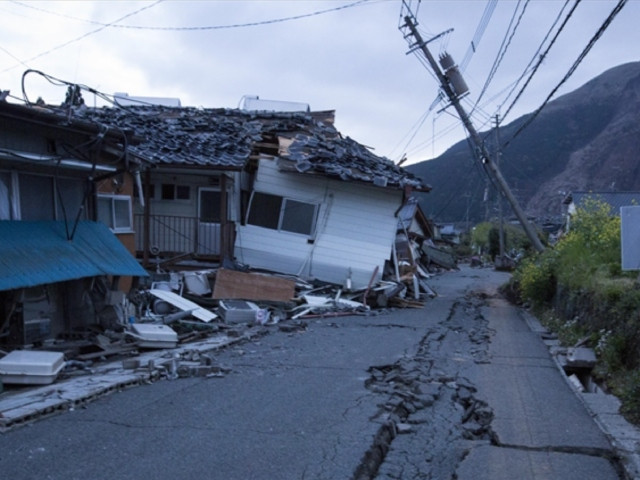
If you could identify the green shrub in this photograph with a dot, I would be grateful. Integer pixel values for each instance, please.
(591, 249)
(536, 279)
(581, 286)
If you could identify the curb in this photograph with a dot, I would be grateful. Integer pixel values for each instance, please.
(604, 408)
(32, 404)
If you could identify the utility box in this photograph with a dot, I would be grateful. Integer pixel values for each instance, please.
(29, 367)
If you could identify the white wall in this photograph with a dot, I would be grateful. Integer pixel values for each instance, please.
(356, 228)
(178, 235)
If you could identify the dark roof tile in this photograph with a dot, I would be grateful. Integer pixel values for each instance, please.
(225, 138)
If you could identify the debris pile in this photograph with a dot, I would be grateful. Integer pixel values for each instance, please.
(173, 309)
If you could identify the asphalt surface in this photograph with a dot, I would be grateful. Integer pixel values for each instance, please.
(462, 388)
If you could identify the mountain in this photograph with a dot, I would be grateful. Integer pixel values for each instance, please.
(587, 140)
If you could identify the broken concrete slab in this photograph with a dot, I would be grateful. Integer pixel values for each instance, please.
(68, 392)
(580, 357)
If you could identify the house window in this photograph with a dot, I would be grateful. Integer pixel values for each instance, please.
(5, 197)
(69, 199)
(171, 191)
(115, 212)
(209, 206)
(39, 197)
(36, 197)
(279, 213)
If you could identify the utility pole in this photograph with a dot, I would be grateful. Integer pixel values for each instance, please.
(498, 153)
(453, 80)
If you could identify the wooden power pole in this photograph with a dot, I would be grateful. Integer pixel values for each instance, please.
(454, 86)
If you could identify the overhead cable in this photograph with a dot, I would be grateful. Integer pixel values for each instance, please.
(480, 29)
(206, 27)
(135, 12)
(540, 57)
(573, 68)
(504, 46)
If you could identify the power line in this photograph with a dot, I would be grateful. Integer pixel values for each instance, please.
(506, 42)
(480, 29)
(542, 56)
(58, 47)
(573, 68)
(205, 27)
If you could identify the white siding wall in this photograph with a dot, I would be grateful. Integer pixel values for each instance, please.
(189, 208)
(355, 229)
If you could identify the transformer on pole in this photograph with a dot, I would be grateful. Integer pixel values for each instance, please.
(455, 87)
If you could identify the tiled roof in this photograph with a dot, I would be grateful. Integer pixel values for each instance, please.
(614, 199)
(182, 136)
(226, 139)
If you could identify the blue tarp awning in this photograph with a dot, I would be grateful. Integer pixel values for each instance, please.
(38, 252)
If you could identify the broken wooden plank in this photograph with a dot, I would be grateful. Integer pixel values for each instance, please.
(231, 284)
(182, 303)
(405, 303)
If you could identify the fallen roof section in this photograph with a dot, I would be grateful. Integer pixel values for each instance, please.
(41, 252)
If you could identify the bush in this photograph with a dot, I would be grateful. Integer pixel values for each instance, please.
(587, 296)
(591, 249)
(630, 396)
(536, 279)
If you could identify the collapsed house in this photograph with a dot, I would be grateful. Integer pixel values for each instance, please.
(279, 191)
(63, 192)
(83, 191)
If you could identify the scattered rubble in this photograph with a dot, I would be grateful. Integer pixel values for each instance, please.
(174, 308)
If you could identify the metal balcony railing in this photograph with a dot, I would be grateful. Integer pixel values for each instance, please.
(178, 235)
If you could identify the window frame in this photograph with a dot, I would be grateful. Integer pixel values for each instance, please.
(175, 188)
(281, 214)
(113, 199)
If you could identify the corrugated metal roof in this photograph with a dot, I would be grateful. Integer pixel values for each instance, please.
(38, 253)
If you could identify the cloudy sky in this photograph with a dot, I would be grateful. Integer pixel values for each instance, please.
(342, 55)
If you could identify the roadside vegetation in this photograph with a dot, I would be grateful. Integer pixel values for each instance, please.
(578, 290)
(485, 238)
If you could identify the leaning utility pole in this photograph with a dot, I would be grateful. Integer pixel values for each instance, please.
(500, 219)
(454, 86)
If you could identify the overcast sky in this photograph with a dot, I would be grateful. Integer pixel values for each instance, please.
(347, 56)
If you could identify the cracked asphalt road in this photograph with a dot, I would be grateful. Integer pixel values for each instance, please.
(460, 389)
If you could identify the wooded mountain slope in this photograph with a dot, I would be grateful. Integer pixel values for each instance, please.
(588, 140)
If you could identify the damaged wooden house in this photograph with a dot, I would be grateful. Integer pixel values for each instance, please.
(279, 191)
(65, 224)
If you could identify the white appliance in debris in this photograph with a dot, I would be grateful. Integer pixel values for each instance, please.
(31, 367)
(154, 336)
(238, 311)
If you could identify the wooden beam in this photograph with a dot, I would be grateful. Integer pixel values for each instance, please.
(230, 284)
